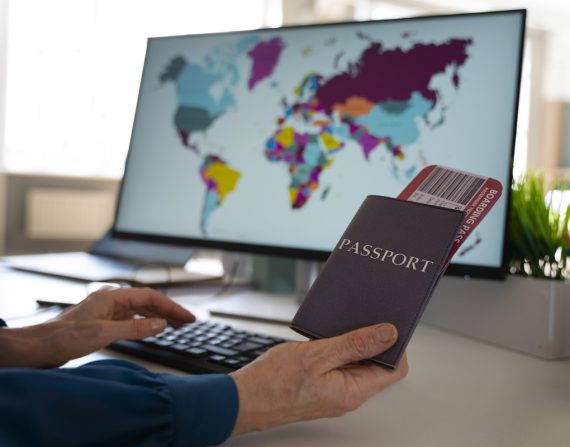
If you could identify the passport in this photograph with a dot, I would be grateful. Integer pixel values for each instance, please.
(384, 268)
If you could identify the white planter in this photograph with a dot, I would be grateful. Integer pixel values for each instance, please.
(524, 314)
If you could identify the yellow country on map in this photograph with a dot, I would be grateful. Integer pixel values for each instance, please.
(225, 177)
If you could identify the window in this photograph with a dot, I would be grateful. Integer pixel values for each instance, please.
(74, 69)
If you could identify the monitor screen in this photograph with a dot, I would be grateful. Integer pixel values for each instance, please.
(268, 141)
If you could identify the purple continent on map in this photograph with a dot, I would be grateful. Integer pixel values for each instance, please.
(381, 75)
(375, 103)
(264, 56)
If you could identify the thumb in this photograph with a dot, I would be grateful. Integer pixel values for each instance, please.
(133, 329)
(360, 344)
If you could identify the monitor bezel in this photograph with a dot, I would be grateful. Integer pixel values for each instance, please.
(456, 269)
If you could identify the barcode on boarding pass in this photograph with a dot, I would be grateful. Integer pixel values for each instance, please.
(448, 188)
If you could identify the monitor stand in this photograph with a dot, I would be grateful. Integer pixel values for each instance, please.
(305, 274)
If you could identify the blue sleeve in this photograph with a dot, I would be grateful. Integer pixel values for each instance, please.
(114, 403)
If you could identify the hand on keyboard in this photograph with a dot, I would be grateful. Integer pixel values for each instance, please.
(302, 381)
(100, 319)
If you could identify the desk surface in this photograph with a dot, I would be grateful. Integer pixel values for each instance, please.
(459, 392)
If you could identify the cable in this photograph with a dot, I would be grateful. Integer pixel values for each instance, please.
(231, 279)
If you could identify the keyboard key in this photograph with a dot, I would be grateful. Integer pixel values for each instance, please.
(228, 344)
(196, 352)
(216, 358)
(231, 362)
(189, 336)
(246, 346)
(179, 347)
(261, 340)
(164, 343)
(219, 350)
(150, 340)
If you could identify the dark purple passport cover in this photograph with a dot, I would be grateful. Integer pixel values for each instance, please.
(384, 269)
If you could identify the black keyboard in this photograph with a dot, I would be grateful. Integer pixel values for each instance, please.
(200, 347)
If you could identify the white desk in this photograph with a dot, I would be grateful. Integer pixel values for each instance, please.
(459, 392)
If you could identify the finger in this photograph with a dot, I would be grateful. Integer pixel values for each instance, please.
(150, 300)
(356, 345)
(133, 329)
(148, 314)
(368, 380)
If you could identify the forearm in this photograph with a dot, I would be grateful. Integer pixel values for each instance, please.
(28, 347)
(131, 403)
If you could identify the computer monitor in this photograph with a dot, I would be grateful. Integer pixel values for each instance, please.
(268, 141)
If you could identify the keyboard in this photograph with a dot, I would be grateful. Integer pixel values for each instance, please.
(200, 347)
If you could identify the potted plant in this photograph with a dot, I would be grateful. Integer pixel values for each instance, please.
(539, 235)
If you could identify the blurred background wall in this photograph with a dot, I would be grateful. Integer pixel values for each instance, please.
(69, 77)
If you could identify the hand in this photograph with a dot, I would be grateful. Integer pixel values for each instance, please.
(302, 381)
(100, 319)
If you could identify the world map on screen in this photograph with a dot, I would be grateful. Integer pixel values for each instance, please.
(375, 102)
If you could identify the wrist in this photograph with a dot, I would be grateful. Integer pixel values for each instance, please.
(245, 421)
(259, 408)
(252, 408)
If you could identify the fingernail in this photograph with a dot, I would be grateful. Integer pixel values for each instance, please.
(386, 333)
(158, 324)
